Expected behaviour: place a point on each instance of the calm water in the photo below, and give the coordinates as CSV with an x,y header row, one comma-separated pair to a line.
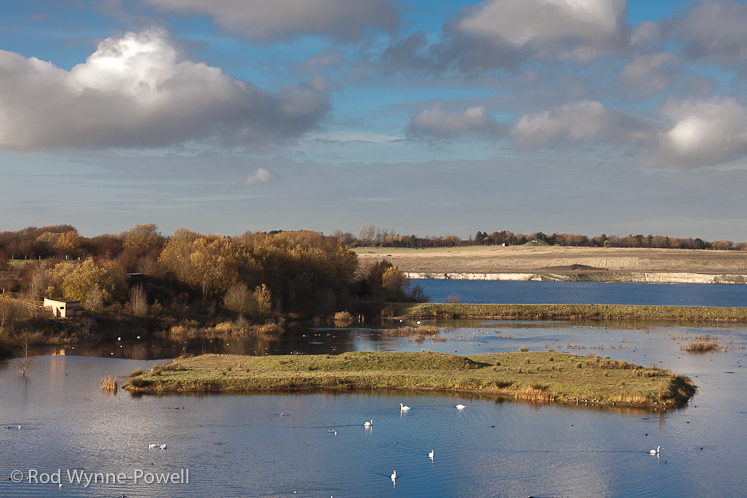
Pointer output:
x,y
483,291
240,444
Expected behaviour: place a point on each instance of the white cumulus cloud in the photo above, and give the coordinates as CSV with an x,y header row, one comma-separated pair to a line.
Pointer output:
x,y
581,121
440,123
714,31
648,73
285,18
261,175
136,91
554,28
702,132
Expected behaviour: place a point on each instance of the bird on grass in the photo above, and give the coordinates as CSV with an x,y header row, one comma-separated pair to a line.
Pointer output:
x,y
656,451
403,408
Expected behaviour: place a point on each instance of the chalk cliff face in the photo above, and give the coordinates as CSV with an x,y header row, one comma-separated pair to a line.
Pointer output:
x,y
646,277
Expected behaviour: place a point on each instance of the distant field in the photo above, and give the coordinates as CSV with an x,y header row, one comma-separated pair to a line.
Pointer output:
x,y
518,259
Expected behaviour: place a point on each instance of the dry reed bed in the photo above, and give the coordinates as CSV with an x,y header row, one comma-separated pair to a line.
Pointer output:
x,y
531,376
109,384
571,312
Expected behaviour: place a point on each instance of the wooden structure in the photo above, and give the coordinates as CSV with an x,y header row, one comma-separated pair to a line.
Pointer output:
x,y
63,309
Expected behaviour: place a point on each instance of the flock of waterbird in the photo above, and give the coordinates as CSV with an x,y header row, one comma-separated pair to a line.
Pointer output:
x,y
404,409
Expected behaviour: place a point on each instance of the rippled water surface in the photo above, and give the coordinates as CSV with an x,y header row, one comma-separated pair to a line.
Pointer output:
x,y
275,445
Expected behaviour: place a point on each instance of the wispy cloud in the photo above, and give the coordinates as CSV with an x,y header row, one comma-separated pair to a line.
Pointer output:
x,y
289,18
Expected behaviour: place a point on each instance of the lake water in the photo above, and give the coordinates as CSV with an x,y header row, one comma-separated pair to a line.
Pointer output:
x,y
284,445
316,445
509,292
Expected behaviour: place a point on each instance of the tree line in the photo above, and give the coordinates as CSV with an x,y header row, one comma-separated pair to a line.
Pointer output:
x,y
372,236
256,274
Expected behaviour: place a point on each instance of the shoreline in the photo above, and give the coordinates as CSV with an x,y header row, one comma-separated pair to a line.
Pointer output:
x,y
690,314
620,277
539,377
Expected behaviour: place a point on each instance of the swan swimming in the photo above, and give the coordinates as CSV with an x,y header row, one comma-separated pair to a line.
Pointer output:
x,y
460,407
431,455
403,408
368,424
394,477
656,451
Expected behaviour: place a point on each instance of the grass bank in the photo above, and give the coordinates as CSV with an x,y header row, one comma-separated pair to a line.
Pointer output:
x,y
570,312
537,376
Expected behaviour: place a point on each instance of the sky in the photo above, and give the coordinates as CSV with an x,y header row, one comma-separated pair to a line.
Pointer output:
x,y
431,118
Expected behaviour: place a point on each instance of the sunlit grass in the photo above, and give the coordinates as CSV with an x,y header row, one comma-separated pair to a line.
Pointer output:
x,y
530,376
570,312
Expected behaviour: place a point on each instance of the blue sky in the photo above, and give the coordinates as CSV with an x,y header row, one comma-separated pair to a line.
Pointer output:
x,y
432,118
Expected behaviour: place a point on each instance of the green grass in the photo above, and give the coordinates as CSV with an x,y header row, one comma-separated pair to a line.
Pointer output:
x,y
538,376
571,312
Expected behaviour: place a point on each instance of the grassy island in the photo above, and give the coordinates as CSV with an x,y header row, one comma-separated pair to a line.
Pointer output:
x,y
570,312
536,376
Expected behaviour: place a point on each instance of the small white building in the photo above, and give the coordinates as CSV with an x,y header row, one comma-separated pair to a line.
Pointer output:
x,y
63,309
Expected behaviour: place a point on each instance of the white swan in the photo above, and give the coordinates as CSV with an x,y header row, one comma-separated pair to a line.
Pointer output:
x,y
368,424
152,445
394,477
656,451
163,446
460,407
431,455
403,408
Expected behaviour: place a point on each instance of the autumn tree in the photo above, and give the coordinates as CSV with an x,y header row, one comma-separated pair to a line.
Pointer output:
x,y
109,276
68,244
144,236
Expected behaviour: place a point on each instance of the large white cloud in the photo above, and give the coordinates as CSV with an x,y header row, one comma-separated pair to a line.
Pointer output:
x,y
702,132
554,28
440,123
282,18
582,121
134,91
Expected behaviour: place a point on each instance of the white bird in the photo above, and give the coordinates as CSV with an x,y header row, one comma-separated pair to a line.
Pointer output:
x,y
394,477
163,446
403,407
152,445
656,451
19,427
368,424
460,407
431,455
